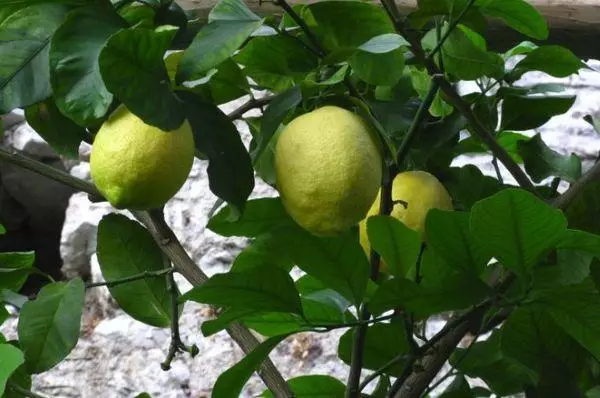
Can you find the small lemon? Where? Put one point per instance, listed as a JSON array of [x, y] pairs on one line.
[[138, 166], [328, 169], [421, 192]]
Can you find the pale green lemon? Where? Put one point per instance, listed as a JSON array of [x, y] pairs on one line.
[[421, 192], [328, 169], [138, 166]]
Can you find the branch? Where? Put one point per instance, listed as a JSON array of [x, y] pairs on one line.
[[143, 275], [564, 200], [171, 246], [249, 105]]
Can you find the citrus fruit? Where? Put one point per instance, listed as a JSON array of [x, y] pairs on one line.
[[421, 192], [328, 170], [138, 166]]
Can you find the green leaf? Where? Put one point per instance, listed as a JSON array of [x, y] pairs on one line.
[[49, 325], [143, 395], [459, 388], [395, 242], [276, 62], [59, 131], [4, 315], [230, 25], [517, 228], [581, 241], [525, 47], [12, 298], [339, 262], [556, 61], [584, 210], [509, 140], [228, 316], [532, 338], [277, 110], [2, 229], [467, 60], [422, 82], [259, 288], [125, 249], [542, 162], [571, 267], [576, 309], [225, 83], [336, 28], [458, 292], [313, 386], [10, 359], [468, 184], [449, 235], [132, 67], [230, 173], [260, 216], [24, 46], [264, 250], [230, 383], [485, 360], [384, 342], [20, 378], [77, 84], [518, 15], [382, 388], [383, 43], [523, 113], [15, 267]]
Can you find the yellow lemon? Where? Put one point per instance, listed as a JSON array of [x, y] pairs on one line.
[[421, 192], [138, 166], [328, 169]]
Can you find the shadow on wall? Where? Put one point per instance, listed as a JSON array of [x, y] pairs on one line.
[[32, 207]]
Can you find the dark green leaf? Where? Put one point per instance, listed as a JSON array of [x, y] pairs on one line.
[[230, 25], [143, 395], [277, 62], [213, 326], [467, 185], [313, 386], [264, 250], [485, 360], [576, 309], [509, 140], [24, 47], [138, 16], [517, 14], [532, 338], [584, 210], [225, 83], [133, 69], [398, 245], [15, 267], [384, 342], [382, 388], [260, 216], [339, 262], [542, 162], [337, 22], [523, 113], [125, 248], [10, 359], [517, 228], [467, 60], [458, 292], [556, 61], [581, 241], [230, 383], [79, 90], [49, 325], [230, 173], [422, 83], [449, 235], [571, 267], [20, 378], [260, 288], [59, 131], [459, 388], [4, 315], [12, 298], [277, 110], [2, 229]]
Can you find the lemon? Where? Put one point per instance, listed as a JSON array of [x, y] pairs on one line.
[[138, 166], [328, 170], [421, 192]]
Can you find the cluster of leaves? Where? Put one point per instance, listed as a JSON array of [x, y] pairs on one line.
[[69, 63]]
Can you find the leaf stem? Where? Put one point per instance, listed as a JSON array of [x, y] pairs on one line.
[[132, 278], [249, 105], [451, 28], [382, 370], [26, 393], [300, 22]]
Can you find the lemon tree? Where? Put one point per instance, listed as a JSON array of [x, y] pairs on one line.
[[357, 125]]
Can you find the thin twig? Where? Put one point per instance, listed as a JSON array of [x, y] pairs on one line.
[[451, 28], [394, 361], [497, 170], [143, 275], [300, 22], [26, 393], [564, 200], [249, 105]]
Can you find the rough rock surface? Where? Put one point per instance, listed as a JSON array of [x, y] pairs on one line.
[[120, 357]]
